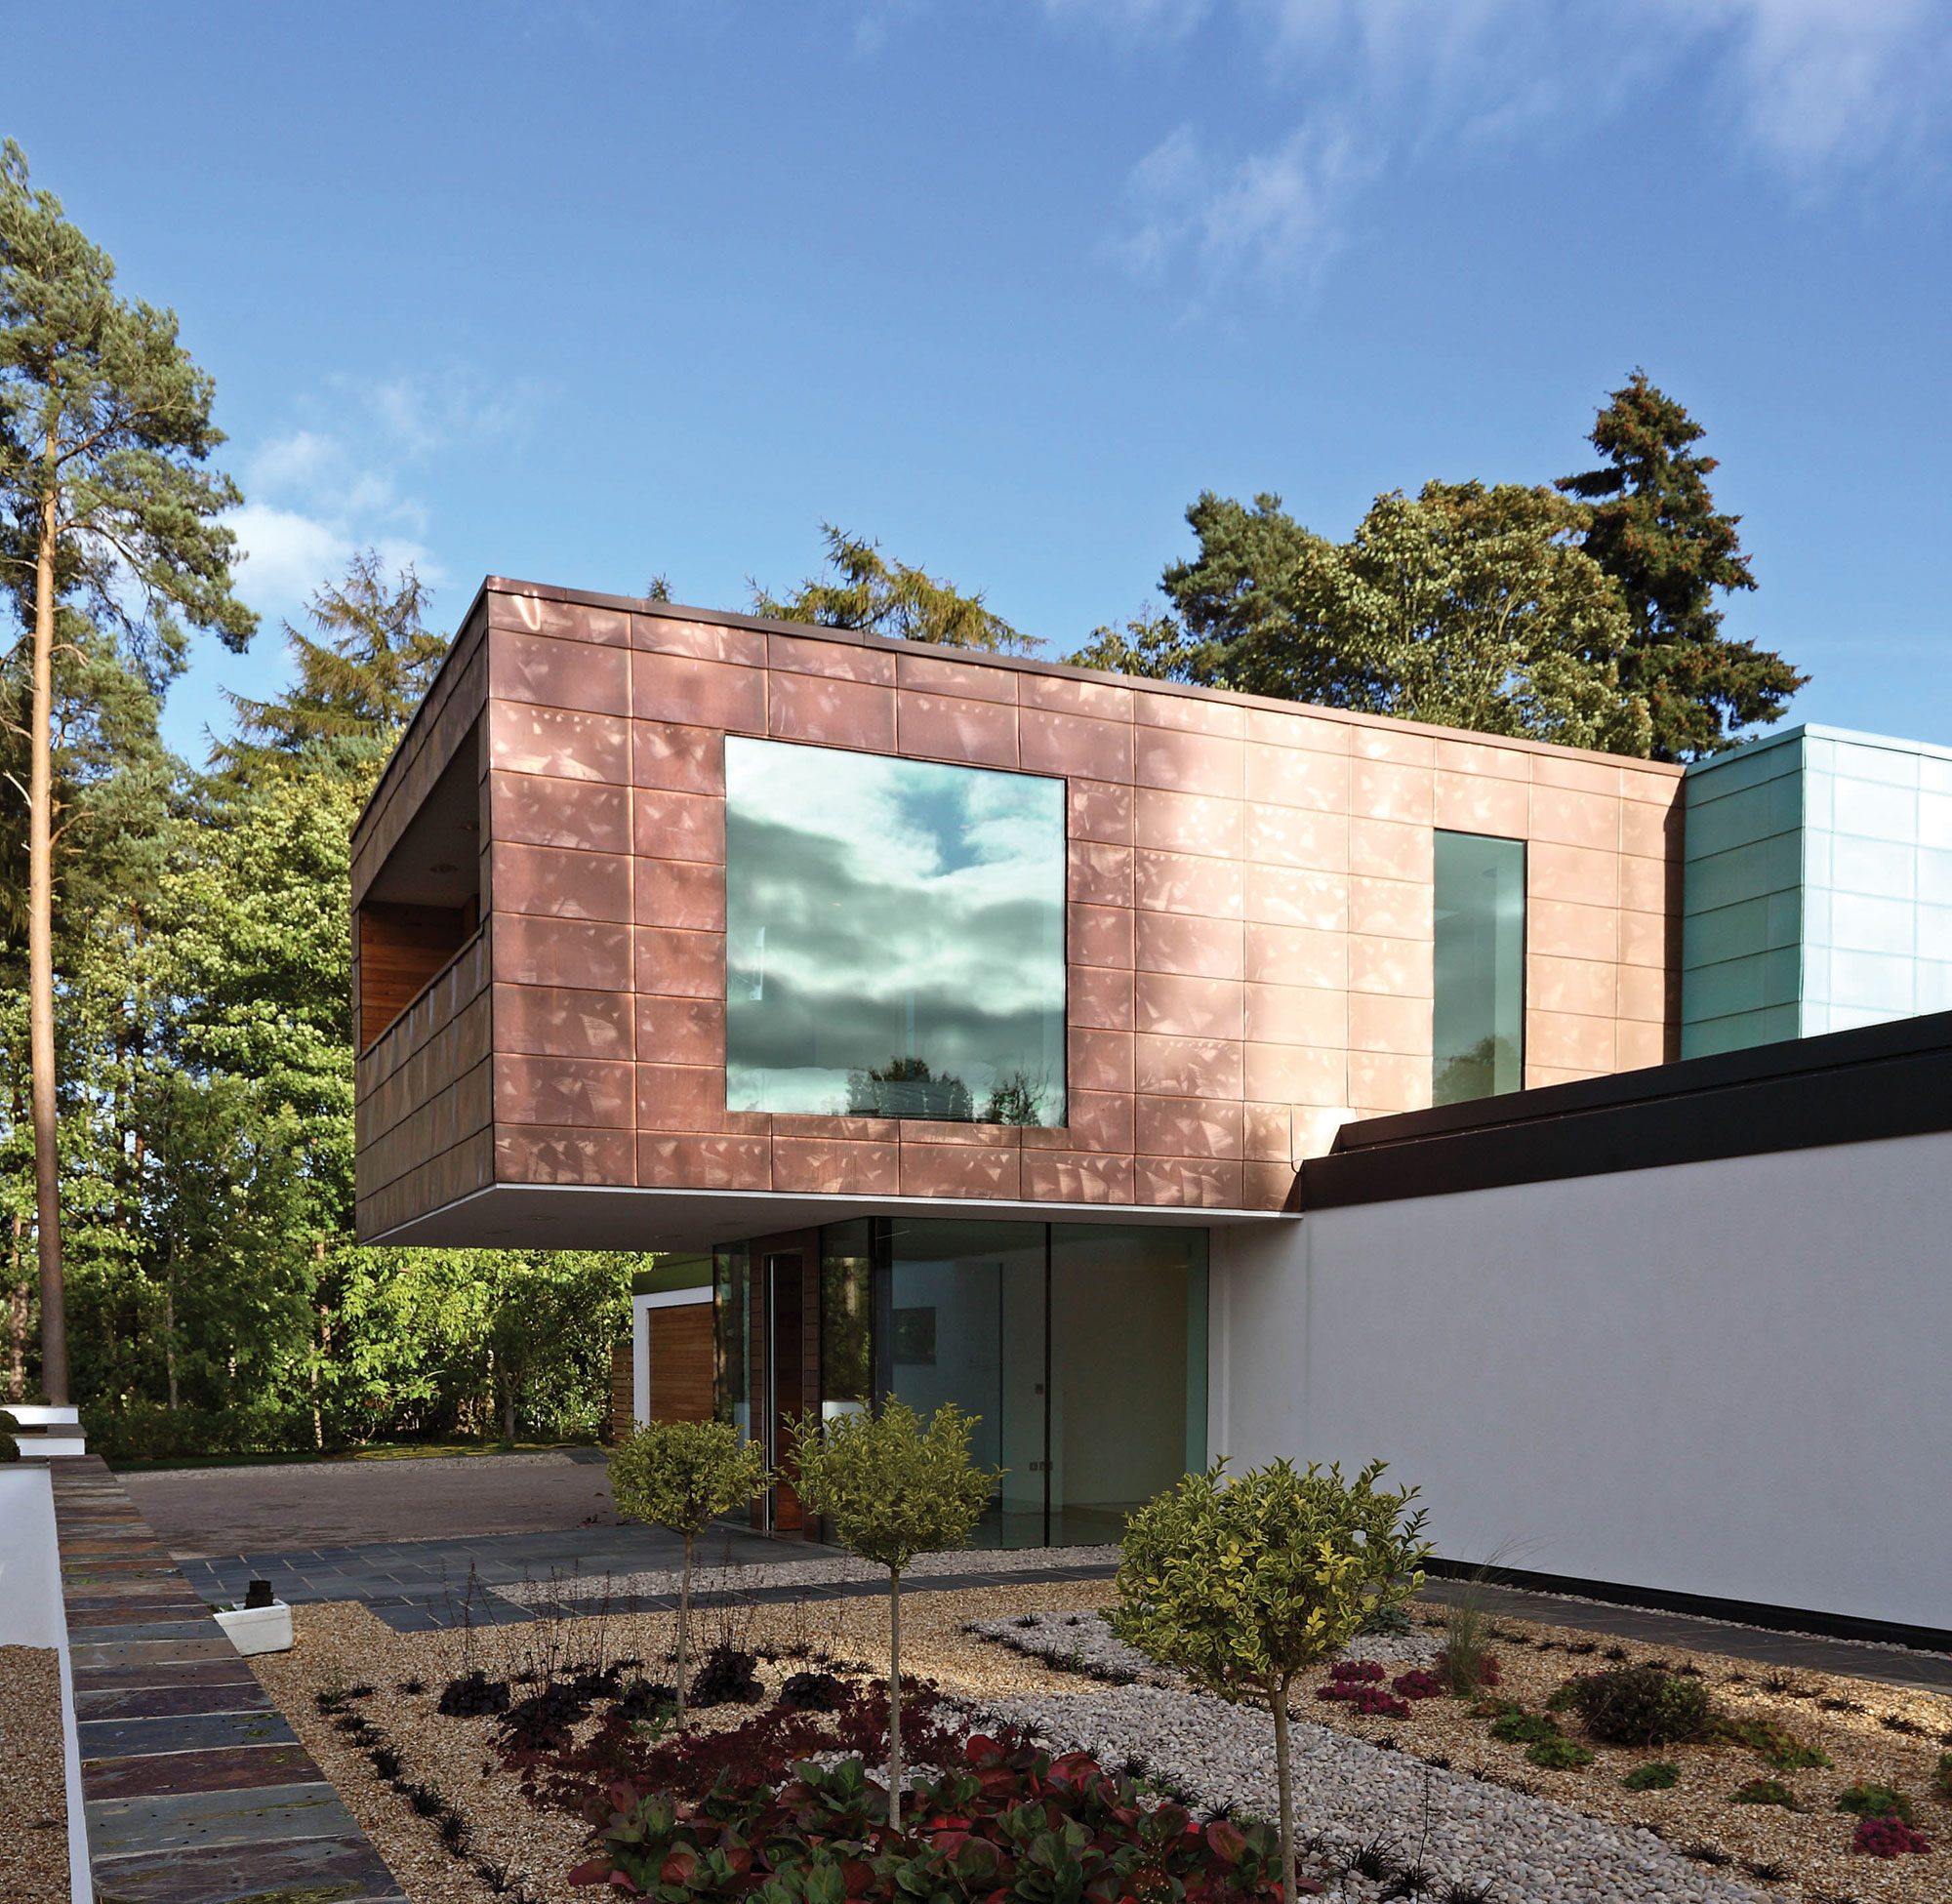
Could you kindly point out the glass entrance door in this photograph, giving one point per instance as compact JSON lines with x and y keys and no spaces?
{"x":965,"y":1322}
{"x":786,"y":1361}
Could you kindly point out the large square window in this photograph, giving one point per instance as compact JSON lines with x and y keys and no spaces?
{"x":894,"y":937}
{"x":1478,"y":1021}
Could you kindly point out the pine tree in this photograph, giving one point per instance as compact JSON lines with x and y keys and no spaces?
{"x":113,"y":533}
{"x":868,"y":591}
{"x":360,"y":677}
{"x":1654,"y":528}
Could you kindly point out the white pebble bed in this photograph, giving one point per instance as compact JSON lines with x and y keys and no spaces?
{"x":806,"y":1574}
{"x":1084,"y":1642}
{"x":1524,"y":1850}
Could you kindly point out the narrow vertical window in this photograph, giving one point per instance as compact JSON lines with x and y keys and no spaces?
{"x":1477,"y":1027}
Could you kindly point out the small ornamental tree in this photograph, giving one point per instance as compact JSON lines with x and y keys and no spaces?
{"x":682,"y":1475}
{"x":1245,"y":1583}
{"x":893,"y":1489}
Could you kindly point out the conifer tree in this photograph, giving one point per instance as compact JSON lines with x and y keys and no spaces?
{"x":360,"y":677}
{"x":113,"y":533}
{"x":869,"y":591}
{"x":1653,"y":527}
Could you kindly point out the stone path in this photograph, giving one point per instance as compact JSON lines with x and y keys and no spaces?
{"x":193,"y":1787}
{"x":418,"y":1585}
{"x":1889,"y":1664}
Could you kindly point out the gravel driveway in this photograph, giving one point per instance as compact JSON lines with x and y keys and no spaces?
{"x":213,"y":1511}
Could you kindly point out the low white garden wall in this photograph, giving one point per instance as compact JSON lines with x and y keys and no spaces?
{"x":1731,"y":1378}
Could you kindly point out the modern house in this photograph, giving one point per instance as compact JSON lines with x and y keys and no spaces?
{"x":977,"y":1022}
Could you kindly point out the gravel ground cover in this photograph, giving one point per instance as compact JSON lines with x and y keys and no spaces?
{"x":1870,"y":1731}
{"x":34,"y":1795}
{"x":1539,"y":1836}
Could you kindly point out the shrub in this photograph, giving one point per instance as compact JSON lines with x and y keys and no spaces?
{"x":1643,"y":1705}
{"x":473,"y":1695}
{"x":1245,"y":1584}
{"x":1355,"y":1672}
{"x":1887,"y":1838}
{"x":1517,"y":1727}
{"x":644,"y":1700}
{"x":1370,"y":1701}
{"x":1941,"y":1779}
{"x":1870,"y":1801}
{"x":727,"y":1677}
{"x":1660,"y":1776}
{"x":812,"y":1692}
{"x":1467,"y":1671}
{"x":682,"y":1475}
{"x":893,"y":1489}
{"x":10,"y":1428}
{"x":1416,"y":1684}
{"x":1775,"y":1743}
{"x":1390,"y":1620}
{"x":1765,"y":1791}
{"x":1560,"y":1755}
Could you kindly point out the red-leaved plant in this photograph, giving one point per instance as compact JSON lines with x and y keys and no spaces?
{"x":1887,"y":1838}
{"x":1008,"y":1824}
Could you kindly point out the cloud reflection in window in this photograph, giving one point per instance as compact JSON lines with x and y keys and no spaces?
{"x":894,"y":937}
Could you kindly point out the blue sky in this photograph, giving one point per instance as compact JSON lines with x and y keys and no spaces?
{"x":584,"y":292}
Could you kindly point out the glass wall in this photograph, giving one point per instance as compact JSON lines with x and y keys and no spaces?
{"x":732,"y":1336}
{"x":1478,"y":1017}
{"x":894,"y":937}
{"x":1128,"y":1372}
{"x":965,"y":1322}
{"x":846,"y":1316}
{"x":1080,"y":1348}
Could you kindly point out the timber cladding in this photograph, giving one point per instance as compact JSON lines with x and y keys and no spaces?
{"x":1250,"y":906}
{"x":681,"y":1353}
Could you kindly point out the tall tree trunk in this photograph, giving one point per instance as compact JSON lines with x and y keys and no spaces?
{"x":1284,"y":1780}
{"x":41,"y":953}
{"x":895,"y":1698}
{"x":324,"y":1345}
{"x":684,"y":1626}
{"x":170,"y":1330}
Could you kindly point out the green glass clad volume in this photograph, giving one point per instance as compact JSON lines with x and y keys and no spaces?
{"x":1477,"y":1016}
{"x":894,"y":937}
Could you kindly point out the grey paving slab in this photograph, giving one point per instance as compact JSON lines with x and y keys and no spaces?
{"x":192,"y":1819}
{"x":1649,"y":1627}
{"x":127,"y":1739}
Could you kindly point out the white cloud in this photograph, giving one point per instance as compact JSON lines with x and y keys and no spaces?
{"x":1274,"y":214}
{"x":348,"y":477}
{"x":287,"y":555}
{"x":1822,"y":85}
{"x":1820,"y":90}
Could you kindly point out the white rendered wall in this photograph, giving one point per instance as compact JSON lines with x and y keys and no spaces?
{"x":1730,"y":1378}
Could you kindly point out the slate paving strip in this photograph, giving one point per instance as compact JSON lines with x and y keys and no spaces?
{"x":198,"y":1818}
{"x":194,"y":1788}
{"x":342,"y":1867}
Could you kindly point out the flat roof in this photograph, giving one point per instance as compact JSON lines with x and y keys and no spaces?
{"x":1815,"y":731}
{"x":1844,"y":1087}
{"x":981,"y":658}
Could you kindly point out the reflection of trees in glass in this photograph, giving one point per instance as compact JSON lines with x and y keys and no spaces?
{"x":1015,"y":1099}
{"x":1475,"y":1072}
{"x":846,"y":1370}
{"x":906,"y":1087}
